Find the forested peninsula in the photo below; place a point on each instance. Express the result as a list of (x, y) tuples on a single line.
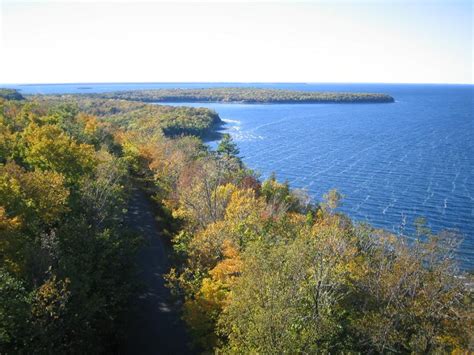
[(10, 94), (256, 265), (247, 95), (172, 121)]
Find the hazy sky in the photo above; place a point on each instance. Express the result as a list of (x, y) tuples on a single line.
[(425, 41)]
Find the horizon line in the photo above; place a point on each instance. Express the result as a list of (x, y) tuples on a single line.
[(237, 82)]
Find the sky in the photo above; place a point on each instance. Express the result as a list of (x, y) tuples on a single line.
[(400, 41)]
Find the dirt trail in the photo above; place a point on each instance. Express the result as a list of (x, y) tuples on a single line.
[(155, 325)]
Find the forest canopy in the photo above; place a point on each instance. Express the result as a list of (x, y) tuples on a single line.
[(170, 120), (66, 253)]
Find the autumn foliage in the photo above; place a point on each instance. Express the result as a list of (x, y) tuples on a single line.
[(66, 259), (260, 268)]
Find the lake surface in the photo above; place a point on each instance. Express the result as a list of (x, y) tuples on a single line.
[(393, 162)]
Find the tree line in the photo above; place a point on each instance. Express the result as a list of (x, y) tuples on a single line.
[(246, 95)]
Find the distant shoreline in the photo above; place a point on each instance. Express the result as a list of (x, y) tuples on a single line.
[(245, 96), (10, 85)]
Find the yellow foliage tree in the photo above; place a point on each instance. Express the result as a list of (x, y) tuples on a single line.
[(49, 148), (33, 194), (202, 311)]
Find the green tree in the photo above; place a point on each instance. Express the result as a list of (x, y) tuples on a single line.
[(227, 146), (15, 306)]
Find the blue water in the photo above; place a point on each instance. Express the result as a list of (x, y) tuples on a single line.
[(393, 162)]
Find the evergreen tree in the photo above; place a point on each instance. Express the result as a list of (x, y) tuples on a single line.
[(227, 146)]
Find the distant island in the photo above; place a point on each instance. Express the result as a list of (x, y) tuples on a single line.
[(246, 95)]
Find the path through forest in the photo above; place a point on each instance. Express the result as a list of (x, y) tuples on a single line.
[(156, 327)]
